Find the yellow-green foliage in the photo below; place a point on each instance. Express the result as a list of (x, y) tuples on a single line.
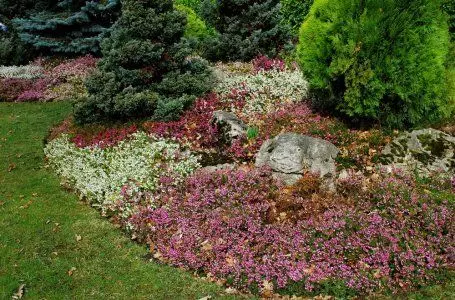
[(383, 60), (195, 27)]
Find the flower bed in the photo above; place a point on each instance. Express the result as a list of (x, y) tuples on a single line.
[(98, 174), (40, 81), (387, 232)]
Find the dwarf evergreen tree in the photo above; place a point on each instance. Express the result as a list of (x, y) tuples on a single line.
[(21, 8), (247, 28), (12, 50), (380, 60), (145, 70), (75, 27)]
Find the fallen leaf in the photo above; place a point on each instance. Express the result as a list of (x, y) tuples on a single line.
[(230, 291), (11, 167), (20, 292), (71, 271), (267, 289), (26, 205)]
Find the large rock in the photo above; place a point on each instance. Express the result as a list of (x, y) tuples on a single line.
[(425, 151), (292, 155), (229, 125)]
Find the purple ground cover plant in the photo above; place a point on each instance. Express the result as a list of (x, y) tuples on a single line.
[(391, 236)]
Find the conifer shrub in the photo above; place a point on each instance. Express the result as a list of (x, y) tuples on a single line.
[(145, 70), (449, 7), (12, 50), (247, 28), (71, 28), (195, 5), (379, 60), (196, 29), (294, 12)]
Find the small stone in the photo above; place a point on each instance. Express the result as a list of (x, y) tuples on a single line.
[(229, 125)]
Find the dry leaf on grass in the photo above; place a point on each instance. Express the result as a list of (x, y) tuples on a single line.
[(20, 292)]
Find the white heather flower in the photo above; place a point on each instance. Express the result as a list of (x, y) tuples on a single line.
[(99, 174), (266, 90)]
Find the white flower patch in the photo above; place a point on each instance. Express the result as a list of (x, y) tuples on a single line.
[(21, 72), (266, 90), (98, 175)]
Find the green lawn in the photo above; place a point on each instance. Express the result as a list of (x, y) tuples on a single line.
[(40, 223)]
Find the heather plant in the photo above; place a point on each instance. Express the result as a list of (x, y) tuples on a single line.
[(40, 81), (378, 60), (12, 88), (247, 28), (264, 91), (393, 236), (145, 70), (21, 72), (98, 173)]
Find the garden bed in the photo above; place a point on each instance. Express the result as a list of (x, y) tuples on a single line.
[(381, 232)]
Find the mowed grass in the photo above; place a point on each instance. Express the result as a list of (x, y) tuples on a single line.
[(59, 247)]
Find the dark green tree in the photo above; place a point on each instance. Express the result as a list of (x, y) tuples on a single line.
[(145, 70), (380, 60), (73, 28), (12, 50), (22, 8), (449, 7), (246, 28), (294, 12)]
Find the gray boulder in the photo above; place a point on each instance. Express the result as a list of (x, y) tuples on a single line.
[(221, 167), (230, 126), (292, 155), (425, 151)]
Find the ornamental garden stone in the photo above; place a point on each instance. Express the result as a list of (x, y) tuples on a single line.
[(424, 151), (292, 155)]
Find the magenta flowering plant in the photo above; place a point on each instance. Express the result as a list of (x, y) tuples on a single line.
[(393, 236), (263, 63), (104, 138), (60, 82)]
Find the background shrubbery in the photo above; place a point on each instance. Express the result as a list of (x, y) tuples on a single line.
[(12, 49), (295, 11), (247, 28), (145, 70), (196, 30), (70, 27), (381, 60)]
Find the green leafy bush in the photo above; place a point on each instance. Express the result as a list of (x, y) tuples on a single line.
[(382, 60), (295, 11), (145, 70), (246, 28)]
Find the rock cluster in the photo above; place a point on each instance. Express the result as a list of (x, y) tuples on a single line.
[(425, 151)]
